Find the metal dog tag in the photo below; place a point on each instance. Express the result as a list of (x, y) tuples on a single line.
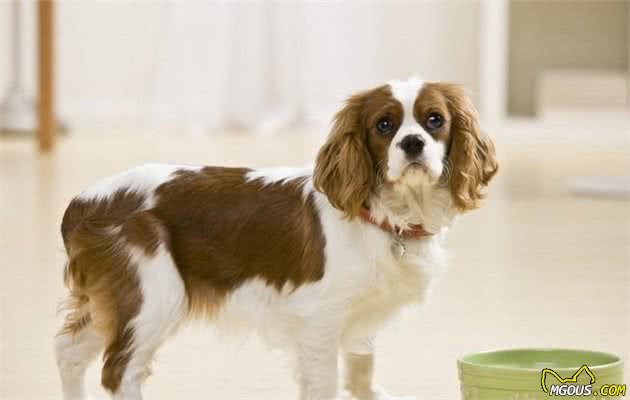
[(398, 246)]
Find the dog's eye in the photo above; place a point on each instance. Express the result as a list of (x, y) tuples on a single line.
[(384, 125), (435, 121)]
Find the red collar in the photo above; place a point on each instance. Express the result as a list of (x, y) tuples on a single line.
[(414, 230)]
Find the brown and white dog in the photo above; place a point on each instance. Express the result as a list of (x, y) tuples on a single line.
[(315, 259)]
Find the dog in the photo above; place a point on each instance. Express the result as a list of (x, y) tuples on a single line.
[(315, 259)]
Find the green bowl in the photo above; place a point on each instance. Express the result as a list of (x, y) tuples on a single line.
[(521, 374)]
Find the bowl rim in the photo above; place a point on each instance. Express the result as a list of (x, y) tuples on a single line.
[(464, 362)]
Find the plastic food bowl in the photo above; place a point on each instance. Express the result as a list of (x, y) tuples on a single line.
[(537, 374)]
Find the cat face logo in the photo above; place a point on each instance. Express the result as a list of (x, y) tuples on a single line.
[(571, 387), (573, 379)]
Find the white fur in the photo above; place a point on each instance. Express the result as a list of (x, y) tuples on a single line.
[(74, 353), (164, 307), (142, 179), (415, 200), (278, 174), (282, 174), (431, 157), (364, 285)]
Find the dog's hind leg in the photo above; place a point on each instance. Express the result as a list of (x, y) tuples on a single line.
[(134, 294), (76, 345), (163, 306)]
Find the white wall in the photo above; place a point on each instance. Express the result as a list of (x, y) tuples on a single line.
[(435, 39), (109, 53)]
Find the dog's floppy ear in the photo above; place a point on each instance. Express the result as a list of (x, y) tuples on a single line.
[(343, 168), (471, 155)]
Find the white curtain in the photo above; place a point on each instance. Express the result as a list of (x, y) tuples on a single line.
[(267, 65), (261, 65)]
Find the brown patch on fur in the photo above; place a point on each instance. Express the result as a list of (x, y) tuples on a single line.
[(102, 279), (431, 100), (77, 316), (350, 165), (225, 231), (471, 155), (144, 231), (122, 210)]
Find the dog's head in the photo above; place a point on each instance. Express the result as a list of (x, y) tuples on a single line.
[(411, 132)]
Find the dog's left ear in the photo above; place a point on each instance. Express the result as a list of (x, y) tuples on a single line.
[(471, 154), (343, 168)]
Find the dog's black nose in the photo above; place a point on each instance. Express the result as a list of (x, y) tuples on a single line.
[(412, 145)]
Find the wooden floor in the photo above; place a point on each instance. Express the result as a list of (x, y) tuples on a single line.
[(535, 267)]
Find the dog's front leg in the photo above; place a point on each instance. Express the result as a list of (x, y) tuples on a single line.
[(358, 360), (317, 362), (358, 372)]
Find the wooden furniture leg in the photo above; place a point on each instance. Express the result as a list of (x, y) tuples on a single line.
[(46, 132)]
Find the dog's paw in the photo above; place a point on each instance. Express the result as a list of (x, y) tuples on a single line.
[(379, 393), (346, 395)]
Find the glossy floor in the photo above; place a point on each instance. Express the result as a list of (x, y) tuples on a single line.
[(535, 267)]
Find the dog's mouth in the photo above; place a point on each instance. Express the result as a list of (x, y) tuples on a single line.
[(413, 172), (419, 170), (416, 165)]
